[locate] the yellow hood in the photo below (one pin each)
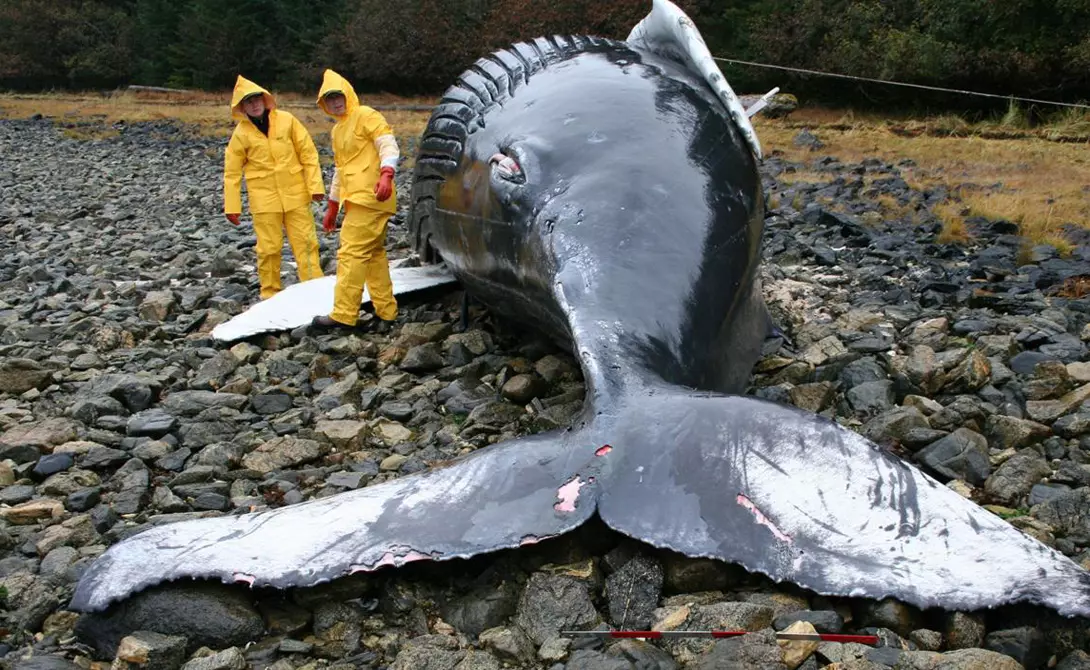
(332, 81)
(243, 88)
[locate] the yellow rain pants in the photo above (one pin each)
(269, 229)
(361, 260)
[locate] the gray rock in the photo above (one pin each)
(1014, 479)
(962, 454)
(894, 424)
(215, 371)
(891, 614)
(1025, 645)
(523, 388)
(51, 464)
(209, 615)
(824, 621)
(37, 438)
(228, 659)
(1046, 411)
(192, 403)
(1068, 513)
(83, 499)
(151, 650)
(429, 652)
(1076, 660)
(552, 603)
(589, 659)
(397, 411)
(132, 487)
(16, 494)
(422, 358)
(977, 659)
(754, 651)
(481, 609)
(642, 655)
(553, 369)
(927, 640)
(272, 403)
(1044, 492)
(871, 398)
(135, 393)
(509, 644)
(19, 375)
(1006, 432)
(45, 662)
(1073, 425)
(151, 423)
(633, 593)
(964, 630)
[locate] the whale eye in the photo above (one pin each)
(506, 167)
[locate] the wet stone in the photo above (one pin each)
(51, 464)
(633, 593)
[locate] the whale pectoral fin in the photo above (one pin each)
(298, 304)
(503, 496)
(799, 498)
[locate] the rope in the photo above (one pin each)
(901, 83)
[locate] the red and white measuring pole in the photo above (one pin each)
(661, 634)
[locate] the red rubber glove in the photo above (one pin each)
(329, 221)
(385, 186)
(233, 218)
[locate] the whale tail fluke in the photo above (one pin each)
(778, 490)
(503, 496)
(802, 499)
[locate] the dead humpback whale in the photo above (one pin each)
(607, 192)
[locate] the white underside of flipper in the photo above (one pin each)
(669, 32)
(298, 304)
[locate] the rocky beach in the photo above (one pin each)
(118, 410)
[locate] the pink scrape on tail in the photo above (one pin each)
(390, 558)
(243, 578)
(602, 451)
(568, 494)
(533, 539)
(761, 518)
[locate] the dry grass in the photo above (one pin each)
(1025, 176)
(953, 223)
(208, 112)
(1038, 178)
(805, 176)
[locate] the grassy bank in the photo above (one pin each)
(1037, 177)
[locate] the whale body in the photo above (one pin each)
(607, 193)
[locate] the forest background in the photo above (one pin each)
(1036, 48)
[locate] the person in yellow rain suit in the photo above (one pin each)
(365, 154)
(277, 155)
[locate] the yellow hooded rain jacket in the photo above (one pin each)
(363, 143)
(281, 170)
